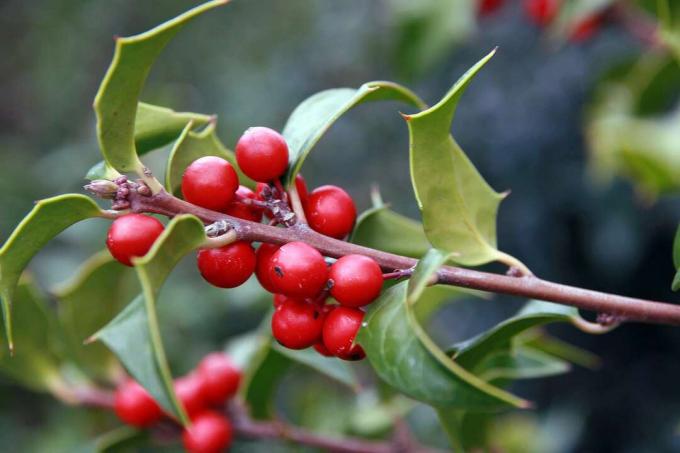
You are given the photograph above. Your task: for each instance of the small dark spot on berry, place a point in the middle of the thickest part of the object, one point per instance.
(279, 271)
(316, 314)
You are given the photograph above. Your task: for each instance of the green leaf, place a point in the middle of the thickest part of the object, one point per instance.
(383, 229)
(266, 362)
(47, 219)
(425, 270)
(101, 170)
(316, 114)
(541, 341)
(471, 352)
(88, 301)
(118, 95)
(36, 362)
(191, 145)
(157, 126)
(458, 207)
(521, 363)
(406, 358)
(135, 332)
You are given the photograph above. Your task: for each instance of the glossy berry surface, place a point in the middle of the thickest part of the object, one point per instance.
(264, 254)
(356, 280)
(339, 330)
(541, 12)
(134, 406)
(210, 432)
(229, 266)
(220, 376)
(331, 211)
(189, 390)
(238, 208)
(486, 7)
(210, 182)
(297, 324)
(297, 270)
(262, 154)
(132, 235)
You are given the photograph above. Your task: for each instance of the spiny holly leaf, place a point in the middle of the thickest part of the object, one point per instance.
(154, 127)
(458, 206)
(192, 145)
(406, 358)
(37, 362)
(316, 114)
(89, 300)
(470, 353)
(48, 218)
(265, 363)
(383, 229)
(137, 330)
(116, 100)
(676, 260)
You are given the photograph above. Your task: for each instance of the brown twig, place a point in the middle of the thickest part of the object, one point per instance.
(528, 286)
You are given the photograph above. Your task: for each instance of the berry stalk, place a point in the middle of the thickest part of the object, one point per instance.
(528, 286)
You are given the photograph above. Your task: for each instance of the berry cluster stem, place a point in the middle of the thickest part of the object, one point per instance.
(527, 286)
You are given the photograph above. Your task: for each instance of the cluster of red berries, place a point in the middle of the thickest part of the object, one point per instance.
(215, 380)
(543, 12)
(296, 273)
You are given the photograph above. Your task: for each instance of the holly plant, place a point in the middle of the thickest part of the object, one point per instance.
(345, 288)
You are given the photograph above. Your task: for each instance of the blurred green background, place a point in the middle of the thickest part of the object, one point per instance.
(521, 122)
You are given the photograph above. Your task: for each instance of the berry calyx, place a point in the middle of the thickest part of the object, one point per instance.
(238, 208)
(189, 390)
(331, 211)
(229, 266)
(297, 324)
(339, 330)
(297, 270)
(262, 154)
(132, 235)
(210, 182)
(134, 406)
(356, 280)
(209, 432)
(220, 376)
(541, 12)
(264, 255)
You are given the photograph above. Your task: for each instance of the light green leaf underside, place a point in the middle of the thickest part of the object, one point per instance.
(116, 101)
(521, 363)
(458, 206)
(46, 220)
(192, 145)
(470, 353)
(182, 235)
(315, 115)
(36, 361)
(383, 229)
(406, 358)
(265, 363)
(89, 300)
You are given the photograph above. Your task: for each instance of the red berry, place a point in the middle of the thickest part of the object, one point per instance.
(339, 330)
(209, 432)
(542, 12)
(189, 390)
(321, 349)
(297, 324)
(278, 299)
(298, 270)
(132, 235)
(229, 266)
(585, 29)
(220, 377)
(239, 209)
(301, 188)
(486, 7)
(210, 182)
(357, 280)
(135, 406)
(262, 154)
(264, 255)
(331, 211)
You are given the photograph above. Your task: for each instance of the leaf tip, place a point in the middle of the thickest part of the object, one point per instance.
(407, 117)
(11, 348)
(524, 404)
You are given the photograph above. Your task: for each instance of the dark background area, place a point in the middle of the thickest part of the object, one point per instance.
(521, 123)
